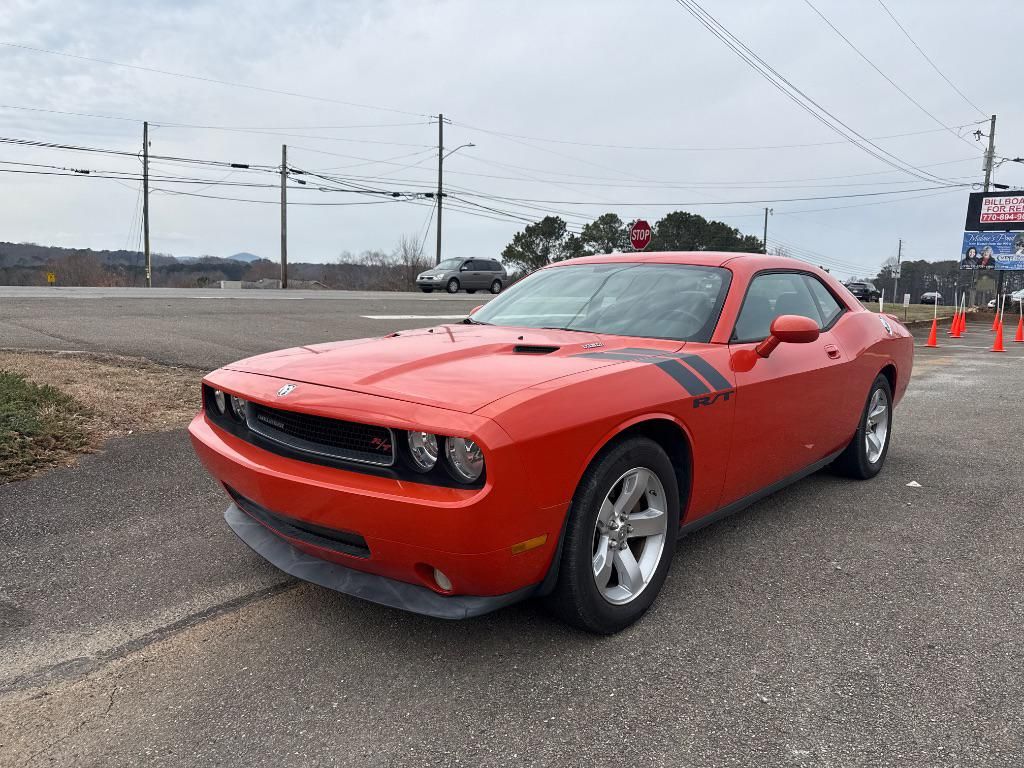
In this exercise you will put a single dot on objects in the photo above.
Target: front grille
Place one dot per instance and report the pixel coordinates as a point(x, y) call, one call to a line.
point(321, 436)
point(346, 542)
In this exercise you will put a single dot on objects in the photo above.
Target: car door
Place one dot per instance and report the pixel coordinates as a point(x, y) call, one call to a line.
point(472, 275)
point(790, 406)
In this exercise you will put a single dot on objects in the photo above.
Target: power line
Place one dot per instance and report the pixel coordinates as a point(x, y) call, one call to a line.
point(653, 148)
point(241, 128)
point(737, 202)
point(888, 79)
point(930, 62)
point(796, 95)
point(212, 80)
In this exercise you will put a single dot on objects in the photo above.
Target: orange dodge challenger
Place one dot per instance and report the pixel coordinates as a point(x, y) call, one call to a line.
point(557, 441)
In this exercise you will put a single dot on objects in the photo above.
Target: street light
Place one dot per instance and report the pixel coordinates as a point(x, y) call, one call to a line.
point(441, 155)
point(461, 146)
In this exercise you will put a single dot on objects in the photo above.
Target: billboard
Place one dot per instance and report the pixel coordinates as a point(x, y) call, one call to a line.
point(992, 250)
point(995, 211)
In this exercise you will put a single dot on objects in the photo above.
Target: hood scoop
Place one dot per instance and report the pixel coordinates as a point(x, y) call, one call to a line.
point(534, 349)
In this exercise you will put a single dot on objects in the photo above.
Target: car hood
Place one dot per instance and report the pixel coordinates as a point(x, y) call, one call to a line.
point(459, 367)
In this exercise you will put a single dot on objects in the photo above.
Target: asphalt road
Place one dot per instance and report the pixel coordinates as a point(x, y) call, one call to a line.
point(208, 328)
point(836, 623)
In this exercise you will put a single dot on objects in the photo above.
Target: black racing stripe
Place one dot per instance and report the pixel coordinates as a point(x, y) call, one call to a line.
point(699, 364)
point(708, 371)
point(683, 376)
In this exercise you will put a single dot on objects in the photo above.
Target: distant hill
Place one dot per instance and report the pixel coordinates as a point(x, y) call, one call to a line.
point(245, 256)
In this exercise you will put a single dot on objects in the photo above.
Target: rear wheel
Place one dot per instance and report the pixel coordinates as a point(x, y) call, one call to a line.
point(427, 290)
point(496, 286)
point(864, 457)
point(619, 539)
point(452, 286)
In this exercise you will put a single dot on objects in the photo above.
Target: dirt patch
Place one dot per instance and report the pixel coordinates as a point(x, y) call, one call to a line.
point(105, 396)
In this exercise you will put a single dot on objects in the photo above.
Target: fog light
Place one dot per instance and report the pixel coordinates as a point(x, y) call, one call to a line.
point(442, 581)
point(220, 401)
point(238, 407)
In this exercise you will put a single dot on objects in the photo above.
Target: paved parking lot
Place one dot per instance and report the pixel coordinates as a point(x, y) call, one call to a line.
point(835, 623)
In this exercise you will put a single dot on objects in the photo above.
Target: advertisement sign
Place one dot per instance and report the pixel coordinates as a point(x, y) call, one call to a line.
point(995, 211)
point(992, 250)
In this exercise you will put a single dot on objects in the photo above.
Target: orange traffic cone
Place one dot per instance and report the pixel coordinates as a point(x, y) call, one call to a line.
point(997, 345)
point(1020, 330)
point(995, 320)
point(954, 327)
point(933, 336)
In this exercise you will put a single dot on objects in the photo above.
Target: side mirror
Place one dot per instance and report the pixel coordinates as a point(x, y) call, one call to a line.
point(474, 309)
point(791, 329)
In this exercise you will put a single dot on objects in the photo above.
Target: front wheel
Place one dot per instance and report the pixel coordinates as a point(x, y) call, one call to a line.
point(496, 286)
point(453, 286)
point(619, 539)
point(864, 457)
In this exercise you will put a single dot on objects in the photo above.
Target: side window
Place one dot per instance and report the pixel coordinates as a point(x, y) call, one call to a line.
point(469, 265)
point(494, 266)
point(771, 295)
point(828, 308)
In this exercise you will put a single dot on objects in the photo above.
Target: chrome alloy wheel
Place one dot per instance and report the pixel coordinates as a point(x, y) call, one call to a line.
point(630, 535)
point(876, 425)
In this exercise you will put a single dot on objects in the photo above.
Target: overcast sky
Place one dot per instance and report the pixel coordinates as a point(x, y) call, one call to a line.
point(584, 72)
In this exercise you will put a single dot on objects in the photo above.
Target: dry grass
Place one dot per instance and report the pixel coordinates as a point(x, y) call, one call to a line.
point(913, 312)
point(82, 399)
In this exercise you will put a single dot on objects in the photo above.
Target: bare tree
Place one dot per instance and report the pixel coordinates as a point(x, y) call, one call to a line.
point(410, 260)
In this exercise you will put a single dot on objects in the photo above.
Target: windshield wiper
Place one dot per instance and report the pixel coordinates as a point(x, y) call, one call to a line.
point(556, 328)
point(471, 321)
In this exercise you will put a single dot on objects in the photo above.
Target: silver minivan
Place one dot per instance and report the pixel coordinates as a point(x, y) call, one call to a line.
point(469, 275)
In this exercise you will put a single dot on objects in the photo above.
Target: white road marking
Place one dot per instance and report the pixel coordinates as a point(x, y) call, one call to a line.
point(413, 317)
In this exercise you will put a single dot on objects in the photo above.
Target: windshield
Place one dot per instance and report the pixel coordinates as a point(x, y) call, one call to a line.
point(449, 264)
point(658, 301)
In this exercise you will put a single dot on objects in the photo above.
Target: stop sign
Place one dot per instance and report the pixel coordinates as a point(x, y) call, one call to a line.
point(640, 235)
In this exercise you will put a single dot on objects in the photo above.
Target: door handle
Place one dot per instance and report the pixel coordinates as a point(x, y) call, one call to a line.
point(832, 351)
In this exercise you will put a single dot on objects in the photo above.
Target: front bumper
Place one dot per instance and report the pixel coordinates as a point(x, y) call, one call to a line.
point(367, 586)
point(407, 528)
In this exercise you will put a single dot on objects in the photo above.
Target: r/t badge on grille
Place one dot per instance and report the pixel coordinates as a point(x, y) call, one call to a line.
point(285, 390)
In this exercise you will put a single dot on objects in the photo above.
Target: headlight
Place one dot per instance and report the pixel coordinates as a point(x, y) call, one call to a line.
point(220, 401)
point(465, 458)
point(238, 407)
point(423, 449)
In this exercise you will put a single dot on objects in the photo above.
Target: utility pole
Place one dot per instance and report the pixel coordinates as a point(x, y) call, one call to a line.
point(145, 202)
point(989, 160)
point(990, 154)
point(896, 272)
point(440, 164)
point(764, 243)
point(284, 216)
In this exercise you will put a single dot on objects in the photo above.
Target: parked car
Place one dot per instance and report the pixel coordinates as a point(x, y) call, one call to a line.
point(1013, 301)
point(931, 297)
point(469, 275)
point(557, 441)
point(864, 291)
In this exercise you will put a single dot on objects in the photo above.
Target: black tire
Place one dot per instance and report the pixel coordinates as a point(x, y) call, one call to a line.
point(496, 286)
point(427, 290)
point(471, 290)
point(452, 286)
point(854, 460)
point(576, 598)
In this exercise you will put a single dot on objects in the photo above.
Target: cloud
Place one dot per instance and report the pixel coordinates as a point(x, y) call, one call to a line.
point(584, 71)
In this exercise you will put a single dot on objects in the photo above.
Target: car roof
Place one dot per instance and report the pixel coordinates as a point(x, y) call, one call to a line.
point(744, 263)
